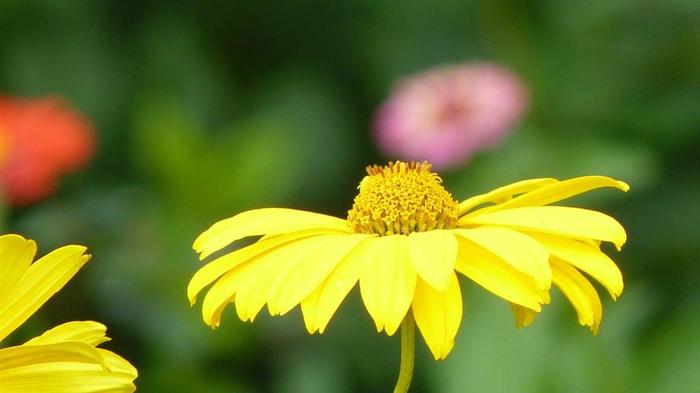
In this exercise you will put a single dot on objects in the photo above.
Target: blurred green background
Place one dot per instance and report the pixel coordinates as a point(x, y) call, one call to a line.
point(204, 109)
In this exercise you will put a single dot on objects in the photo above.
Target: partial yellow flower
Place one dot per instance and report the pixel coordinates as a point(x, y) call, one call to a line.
point(65, 359)
point(403, 241)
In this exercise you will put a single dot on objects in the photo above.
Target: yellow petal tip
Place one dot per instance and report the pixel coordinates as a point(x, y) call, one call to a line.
point(623, 186)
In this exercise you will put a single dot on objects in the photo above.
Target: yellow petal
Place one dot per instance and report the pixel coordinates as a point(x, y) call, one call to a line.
point(42, 279)
point(586, 258)
point(433, 255)
point(270, 221)
point(502, 194)
point(61, 368)
point(251, 295)
point(296, 281)
point(74, 351)
point(438, 315)
point(518, 250)
point(250, 282)
point(64, 378)
point(558, 191)
point(523, 316)
point(387, 280)
point(16, 253)
point(118, 365)
point(489, 271)
point(223, 292)
point(319, 307)
point(216, 268)
point(257, 285)
point(580, 293)
point(89, 332)
point(557, 220)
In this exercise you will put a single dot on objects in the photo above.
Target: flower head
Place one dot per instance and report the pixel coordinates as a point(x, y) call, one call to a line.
point(448, 113)
point(404, 241)
point(64, 359)
point(402, 198)
point(41, 140)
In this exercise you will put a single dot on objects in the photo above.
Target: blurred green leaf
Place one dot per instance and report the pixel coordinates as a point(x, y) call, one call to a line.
point(532, 153)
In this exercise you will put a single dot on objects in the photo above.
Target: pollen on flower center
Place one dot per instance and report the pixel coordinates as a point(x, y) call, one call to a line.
point(401, 198)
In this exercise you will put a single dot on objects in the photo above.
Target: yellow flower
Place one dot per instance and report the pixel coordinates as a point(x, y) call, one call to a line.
point(404, 240)
point(64, 359)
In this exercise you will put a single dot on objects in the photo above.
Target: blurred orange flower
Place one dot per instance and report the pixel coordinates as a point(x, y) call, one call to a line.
point(40, 140)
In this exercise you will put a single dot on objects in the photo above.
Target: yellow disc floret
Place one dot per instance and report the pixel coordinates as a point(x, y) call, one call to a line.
point(401, 198)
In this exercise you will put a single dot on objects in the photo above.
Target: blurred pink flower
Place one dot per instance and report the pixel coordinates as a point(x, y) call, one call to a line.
point(448, 113)
point(40, 140)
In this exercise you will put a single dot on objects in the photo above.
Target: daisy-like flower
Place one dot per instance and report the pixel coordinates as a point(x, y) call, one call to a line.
point(448, 113)
point(40, 140)
point(65, 359)
point(405, 241)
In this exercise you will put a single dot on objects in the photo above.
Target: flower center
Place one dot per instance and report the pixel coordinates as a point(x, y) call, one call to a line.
point(401, 198)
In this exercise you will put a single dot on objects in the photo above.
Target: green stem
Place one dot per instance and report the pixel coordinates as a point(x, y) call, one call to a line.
point(408, 349)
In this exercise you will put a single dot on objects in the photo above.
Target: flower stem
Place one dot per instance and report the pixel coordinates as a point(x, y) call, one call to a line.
point(408, 349)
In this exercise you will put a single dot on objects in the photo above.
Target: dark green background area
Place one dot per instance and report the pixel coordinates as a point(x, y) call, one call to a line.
point(208, 108)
